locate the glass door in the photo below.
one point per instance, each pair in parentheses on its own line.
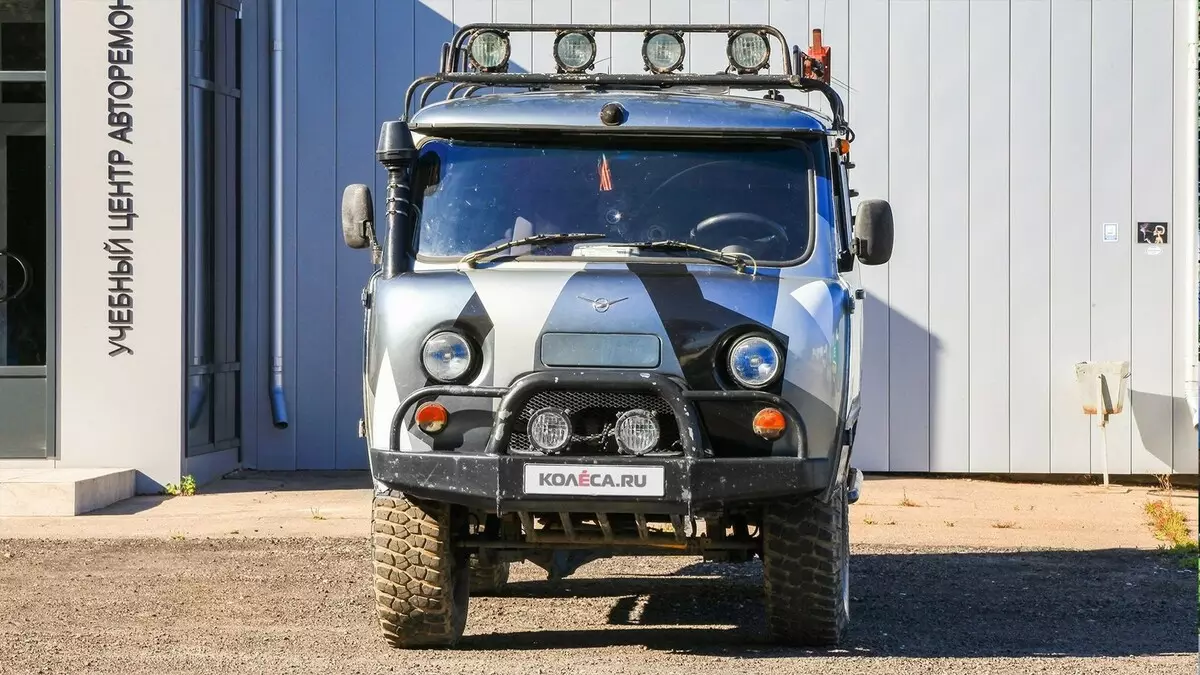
(27,275)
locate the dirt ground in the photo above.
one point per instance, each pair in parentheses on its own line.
(269,574)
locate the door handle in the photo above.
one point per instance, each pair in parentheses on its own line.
(25,277)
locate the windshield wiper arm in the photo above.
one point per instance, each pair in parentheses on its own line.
(470,258)
(734,260)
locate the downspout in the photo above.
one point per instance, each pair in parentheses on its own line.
(199,212)
(279,413)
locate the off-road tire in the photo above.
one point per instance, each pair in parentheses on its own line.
(421,581)
(488,579)
(806,554)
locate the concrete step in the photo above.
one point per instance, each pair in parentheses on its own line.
(62,492)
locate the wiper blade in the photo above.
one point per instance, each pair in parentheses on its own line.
(470,258)
(734,260)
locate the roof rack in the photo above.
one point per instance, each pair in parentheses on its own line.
(478,56)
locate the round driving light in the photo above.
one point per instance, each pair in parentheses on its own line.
(488,51)
(446,356)
(663,51)
(748,51)
(432,417)
(769,423)
(637,431)
(754,362)
(574,51)
(549,430)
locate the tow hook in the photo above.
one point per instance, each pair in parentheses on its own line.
(854,486)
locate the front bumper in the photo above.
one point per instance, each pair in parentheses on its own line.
(695,480)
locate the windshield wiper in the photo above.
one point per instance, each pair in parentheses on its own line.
(734,260)
(470,258)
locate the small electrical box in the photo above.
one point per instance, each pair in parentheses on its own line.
(1102,386)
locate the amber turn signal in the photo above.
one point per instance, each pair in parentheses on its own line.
(769,423)
(432,417)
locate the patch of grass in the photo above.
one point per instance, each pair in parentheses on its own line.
(906,501)
(949,523)
(869,520)
(1169,525)
(1005,525)
(186,487)
(316,514)
(178,537)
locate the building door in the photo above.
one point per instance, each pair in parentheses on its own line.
(27,273)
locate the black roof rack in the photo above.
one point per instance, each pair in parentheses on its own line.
(455,69)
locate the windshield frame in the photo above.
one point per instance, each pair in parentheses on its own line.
(803,141)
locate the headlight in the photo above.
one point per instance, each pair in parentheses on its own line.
(489,50)
(663,51)
(447,356)
(748,51)
(574,51)
(549,430)
(754,362)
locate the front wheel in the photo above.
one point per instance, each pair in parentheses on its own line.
(806,570)
(421,580)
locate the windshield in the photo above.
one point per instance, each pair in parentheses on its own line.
(748,198)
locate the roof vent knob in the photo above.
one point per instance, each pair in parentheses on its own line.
(613,114)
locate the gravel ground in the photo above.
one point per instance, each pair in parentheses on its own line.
(240,605)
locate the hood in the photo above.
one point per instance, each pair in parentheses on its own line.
(571,316)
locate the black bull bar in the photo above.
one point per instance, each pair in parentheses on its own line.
(695,480)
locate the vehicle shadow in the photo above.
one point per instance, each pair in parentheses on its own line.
(1055,603)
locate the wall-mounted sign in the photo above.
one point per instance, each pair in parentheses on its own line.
(121,345)
(1152,233)
(1110,232)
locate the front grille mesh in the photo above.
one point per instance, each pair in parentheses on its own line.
(591,413)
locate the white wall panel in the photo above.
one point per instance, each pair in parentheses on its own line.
(949,204)
(1070,230)
(1150,379)
(1030,239)
(909,189)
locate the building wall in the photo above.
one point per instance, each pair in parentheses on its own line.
(1005,133)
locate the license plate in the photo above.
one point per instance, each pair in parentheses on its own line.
(594,480)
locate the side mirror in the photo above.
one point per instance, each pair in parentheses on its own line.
(358,216)
(873,230)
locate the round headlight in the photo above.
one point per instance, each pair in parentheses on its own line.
(488,50)
(574,51)
(748,51)
(663,51)
(446,356)
(754,362)
(549,430)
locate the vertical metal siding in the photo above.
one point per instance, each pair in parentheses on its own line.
(1004,132)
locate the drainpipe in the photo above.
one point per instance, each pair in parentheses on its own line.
(200,213)
(279,413)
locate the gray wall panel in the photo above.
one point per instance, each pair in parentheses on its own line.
(988,247)
(975,118)
(356,71)
(909,188)
(1029,225)
(1184,250)
(1070,214)
(1150,381)
(868,73)
(949,209)
(1112,108)
(316,234)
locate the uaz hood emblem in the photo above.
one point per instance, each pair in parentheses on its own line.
(602,304)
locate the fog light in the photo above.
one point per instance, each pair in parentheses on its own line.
(549,430)
(769,423)
(637,431)
(432,417)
